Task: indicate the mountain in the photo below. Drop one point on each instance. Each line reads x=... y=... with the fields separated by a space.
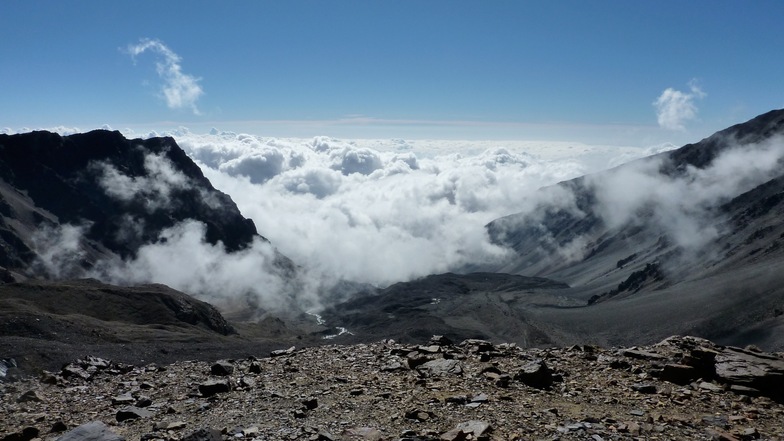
x=458 y=306
x=45 y=324
x=702 y=209
x=118 y=194
x=71 y=203
x=684 y=242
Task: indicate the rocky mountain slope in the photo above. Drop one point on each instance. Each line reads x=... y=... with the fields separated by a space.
x=680 y=388
x=71 y=203
x=45 y=324
x=117 y=194
x=610 y=247
x=685 y=242
x=589 y=268
x=459 y=306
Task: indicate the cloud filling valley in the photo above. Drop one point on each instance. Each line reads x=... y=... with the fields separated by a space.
x=384 y=211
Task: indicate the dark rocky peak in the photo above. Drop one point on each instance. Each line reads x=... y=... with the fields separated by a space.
x=701 y=154
x=121 y=192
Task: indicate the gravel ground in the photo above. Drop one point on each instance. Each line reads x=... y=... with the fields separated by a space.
x=390 y=391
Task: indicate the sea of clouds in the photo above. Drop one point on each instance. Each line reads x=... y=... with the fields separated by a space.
x=383 y=211
x=371 y=211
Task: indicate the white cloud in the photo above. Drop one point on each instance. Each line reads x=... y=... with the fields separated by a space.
x=674 y=108
x=259 y=166
x=350 y=160
x=318 y=182
x=683 y=206
x=649 y=151
x=383 y=211
x=179 y=89
x=153 y=189
x=374 y=211
x=184 y=260
x=59 y=250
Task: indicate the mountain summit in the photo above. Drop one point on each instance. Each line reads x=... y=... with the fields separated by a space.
x=111 y=194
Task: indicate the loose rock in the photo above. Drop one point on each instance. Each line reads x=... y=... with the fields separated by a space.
x=345 y=393
x=212 y=387
x=131 y=413
x=222 y=368
x=92 y=431
x=535 y=374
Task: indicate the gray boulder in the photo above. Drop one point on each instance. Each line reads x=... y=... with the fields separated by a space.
x=212 y=387
x=756 y=370
x=679 y=373
x=535 y=374
x=204 y=435
x=440 y=367
x=132 y=413
x=222 y=368
x=92 y=431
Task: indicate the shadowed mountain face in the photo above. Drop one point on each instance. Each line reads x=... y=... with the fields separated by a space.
x=69 y=204
x=45 y=324
x=119 y=194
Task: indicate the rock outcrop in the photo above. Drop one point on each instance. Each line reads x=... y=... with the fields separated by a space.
x=744 y=371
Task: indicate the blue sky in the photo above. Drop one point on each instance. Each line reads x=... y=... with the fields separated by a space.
x=587 y=71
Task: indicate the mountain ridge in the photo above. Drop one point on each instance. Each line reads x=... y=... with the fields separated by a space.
x=584 y=221
x=121 y=192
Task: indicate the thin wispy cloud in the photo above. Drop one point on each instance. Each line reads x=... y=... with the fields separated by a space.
x=179 y=89
x=674 y=108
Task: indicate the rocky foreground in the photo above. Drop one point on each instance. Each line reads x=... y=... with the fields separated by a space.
x=681 y=388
